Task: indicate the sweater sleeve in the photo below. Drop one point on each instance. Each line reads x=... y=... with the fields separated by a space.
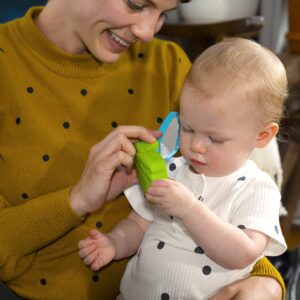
x=24 y=230
x=264 y=268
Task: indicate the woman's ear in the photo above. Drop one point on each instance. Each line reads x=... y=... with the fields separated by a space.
x=266 y=135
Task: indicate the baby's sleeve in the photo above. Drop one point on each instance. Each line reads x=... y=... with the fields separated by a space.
x=139 y=203
x=258 y=210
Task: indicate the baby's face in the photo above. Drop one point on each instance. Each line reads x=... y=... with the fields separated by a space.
x=218 y=133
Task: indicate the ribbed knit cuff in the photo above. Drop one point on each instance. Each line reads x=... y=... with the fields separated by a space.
x=264 y=268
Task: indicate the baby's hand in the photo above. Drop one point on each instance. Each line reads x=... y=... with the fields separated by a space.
x=97 y=250
x=172 y=197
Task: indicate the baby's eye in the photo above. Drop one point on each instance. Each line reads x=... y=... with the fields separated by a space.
x=134 y=6
x=186 y=129
x=215 y=140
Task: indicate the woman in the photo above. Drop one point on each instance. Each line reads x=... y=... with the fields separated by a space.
x=72 y=72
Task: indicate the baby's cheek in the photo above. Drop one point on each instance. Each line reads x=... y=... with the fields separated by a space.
x=222 y=162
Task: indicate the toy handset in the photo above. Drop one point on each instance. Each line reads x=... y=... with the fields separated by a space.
x=169 y=140
x=150 y=160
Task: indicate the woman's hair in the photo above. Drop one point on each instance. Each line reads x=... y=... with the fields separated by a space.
x=185 y=1
x=246 y=65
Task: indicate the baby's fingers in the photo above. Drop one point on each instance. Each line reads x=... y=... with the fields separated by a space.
x=85 y=251
x=88 y=260
x=161 y=183
x=85 y=242
x=96 y=265
x=158 y=188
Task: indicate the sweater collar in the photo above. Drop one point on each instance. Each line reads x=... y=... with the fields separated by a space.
x=56 y=59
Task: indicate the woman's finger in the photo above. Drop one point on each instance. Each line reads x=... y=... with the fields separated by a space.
x=122 y=133
x=114 y=161
x=119 y=143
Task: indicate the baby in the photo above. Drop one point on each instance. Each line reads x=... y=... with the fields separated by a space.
x=218 y=213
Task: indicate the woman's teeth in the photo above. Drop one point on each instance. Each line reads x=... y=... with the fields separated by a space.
x=119 y=40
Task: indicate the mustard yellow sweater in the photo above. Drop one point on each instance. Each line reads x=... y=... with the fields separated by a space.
x=53 y=107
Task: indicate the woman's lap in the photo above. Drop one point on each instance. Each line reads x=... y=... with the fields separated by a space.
x=7 y=294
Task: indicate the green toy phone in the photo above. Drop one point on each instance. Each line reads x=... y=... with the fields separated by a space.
x=150 y=160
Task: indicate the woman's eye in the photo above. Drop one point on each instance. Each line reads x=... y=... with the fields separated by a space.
x=134 y=6
x=163 y=16
x=215 y=141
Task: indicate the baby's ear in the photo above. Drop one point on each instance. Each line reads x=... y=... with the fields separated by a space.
x=266 y=135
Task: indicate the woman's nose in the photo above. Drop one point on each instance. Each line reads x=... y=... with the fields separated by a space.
x=146 y=27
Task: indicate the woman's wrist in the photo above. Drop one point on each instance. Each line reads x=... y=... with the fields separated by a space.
x=76 y=202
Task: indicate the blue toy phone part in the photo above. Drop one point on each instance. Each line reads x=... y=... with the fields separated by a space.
x=169 y=141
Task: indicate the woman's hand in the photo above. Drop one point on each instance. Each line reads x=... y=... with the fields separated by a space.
x=108 y=169
x=254 y=287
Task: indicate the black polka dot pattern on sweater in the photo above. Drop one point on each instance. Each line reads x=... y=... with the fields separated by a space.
x=159 y=120
x=43 y=281
x=99 y=224
x=30 y=90
x=141 y=55
x=66 y=125
x=130 y=91
x=83 y=92
x=24 y=196
x=114 y=124
x=45 y=157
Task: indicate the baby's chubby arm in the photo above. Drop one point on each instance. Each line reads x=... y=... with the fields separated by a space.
x=99 y=249
x=223 y=242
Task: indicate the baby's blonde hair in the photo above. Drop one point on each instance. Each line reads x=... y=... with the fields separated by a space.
x=244 y=64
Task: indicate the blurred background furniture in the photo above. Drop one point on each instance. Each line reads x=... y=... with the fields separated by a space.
x=290 y=151
x=196 y=37
x=290 y=154
x=294 y=26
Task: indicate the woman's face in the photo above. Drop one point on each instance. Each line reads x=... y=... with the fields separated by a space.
x=106 y=28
